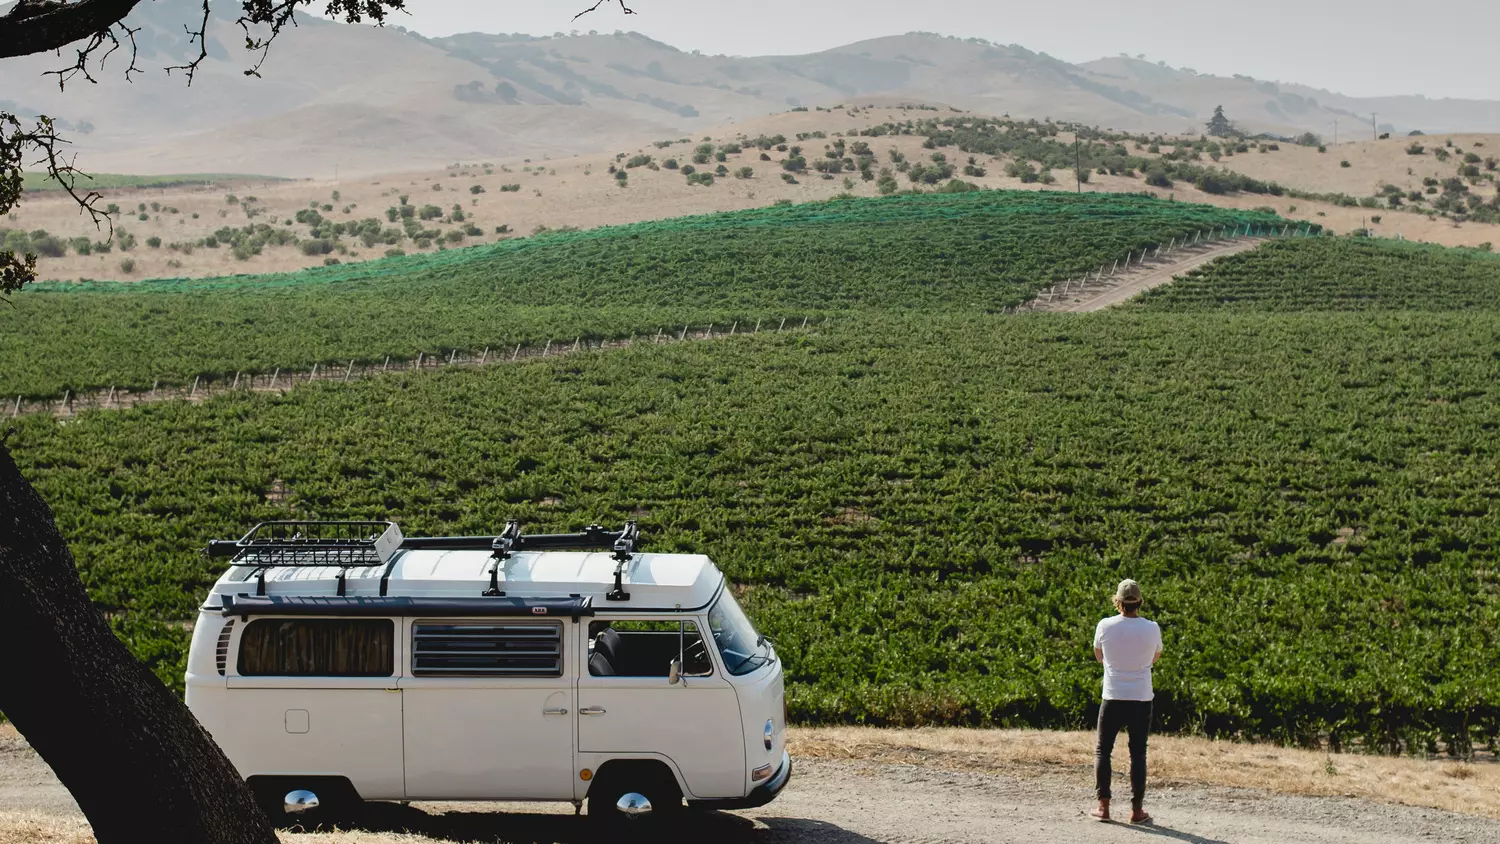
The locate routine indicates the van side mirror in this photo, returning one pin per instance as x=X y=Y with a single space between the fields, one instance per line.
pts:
x=674 y=672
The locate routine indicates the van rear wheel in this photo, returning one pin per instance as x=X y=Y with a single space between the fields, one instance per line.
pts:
x=649 y=781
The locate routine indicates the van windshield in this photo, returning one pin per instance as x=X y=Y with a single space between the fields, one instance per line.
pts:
x=743 y=649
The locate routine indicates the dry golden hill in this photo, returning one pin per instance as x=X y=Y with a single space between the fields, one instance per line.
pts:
x=580 y=191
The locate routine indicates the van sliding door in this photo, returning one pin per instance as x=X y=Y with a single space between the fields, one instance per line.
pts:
x=488 y=711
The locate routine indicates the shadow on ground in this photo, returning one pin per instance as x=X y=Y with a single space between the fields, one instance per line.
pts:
x=1174 y=834
x=539 y=828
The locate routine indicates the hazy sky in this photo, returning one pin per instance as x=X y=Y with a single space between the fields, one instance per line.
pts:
x=1356 y=47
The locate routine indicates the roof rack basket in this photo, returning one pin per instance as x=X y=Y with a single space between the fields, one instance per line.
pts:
x=276 y=544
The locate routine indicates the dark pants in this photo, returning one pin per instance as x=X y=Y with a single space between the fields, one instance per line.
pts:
x=1134 y=716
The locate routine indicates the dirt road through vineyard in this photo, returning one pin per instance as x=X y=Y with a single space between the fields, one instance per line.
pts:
x=849 y=801
x=1155 y=276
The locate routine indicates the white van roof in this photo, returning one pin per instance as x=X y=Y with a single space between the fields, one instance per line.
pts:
x=653 y=581
x=370 y=568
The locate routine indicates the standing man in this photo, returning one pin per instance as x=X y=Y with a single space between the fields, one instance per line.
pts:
x=1128 y=645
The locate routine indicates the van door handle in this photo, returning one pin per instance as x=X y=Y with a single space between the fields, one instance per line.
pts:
x=557 y=710
x=591 y=710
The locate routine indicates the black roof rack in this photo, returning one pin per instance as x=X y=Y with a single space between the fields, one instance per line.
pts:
x=307 y=543
x=366 y=544
x=572 y=606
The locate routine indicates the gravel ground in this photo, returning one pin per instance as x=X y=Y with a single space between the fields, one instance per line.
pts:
x=855 y=802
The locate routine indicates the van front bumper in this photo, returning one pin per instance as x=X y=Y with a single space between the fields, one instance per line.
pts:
x=759 y=796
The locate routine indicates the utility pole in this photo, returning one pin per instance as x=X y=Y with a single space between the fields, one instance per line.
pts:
x=1335 y=131
x=1374 y=129
x=1077 y=163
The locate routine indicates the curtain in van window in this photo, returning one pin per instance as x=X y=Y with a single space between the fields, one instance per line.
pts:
x=318 y=647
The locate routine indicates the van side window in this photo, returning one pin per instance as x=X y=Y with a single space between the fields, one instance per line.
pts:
x=486 y=649
x=628 y=648
x=318 y=647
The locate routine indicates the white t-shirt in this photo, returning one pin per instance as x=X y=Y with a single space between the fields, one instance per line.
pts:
x=1130 y=645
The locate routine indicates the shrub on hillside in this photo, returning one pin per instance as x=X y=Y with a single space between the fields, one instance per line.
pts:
x=127 y=266
x=744 y=173
x=1415 y=149
x=430 y=212
x=476 y=189
x=704 y=179
x=1212 y=183
x=958 y=186
x=638 y=161
x=154 y=242
x=670 y=164
x=688 y=169
x=1022 y=170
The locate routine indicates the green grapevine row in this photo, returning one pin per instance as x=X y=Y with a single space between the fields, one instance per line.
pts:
x=1338 y=274
x=976 y=251
x=927 y=511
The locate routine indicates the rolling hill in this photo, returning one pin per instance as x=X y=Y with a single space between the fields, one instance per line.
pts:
x=366 y=99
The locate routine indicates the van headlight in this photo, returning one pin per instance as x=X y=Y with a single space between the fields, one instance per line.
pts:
x=769 y=732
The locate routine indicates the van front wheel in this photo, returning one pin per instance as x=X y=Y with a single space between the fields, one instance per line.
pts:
x=650 y=780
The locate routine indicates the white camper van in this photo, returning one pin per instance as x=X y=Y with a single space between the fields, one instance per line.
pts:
x=340 y=661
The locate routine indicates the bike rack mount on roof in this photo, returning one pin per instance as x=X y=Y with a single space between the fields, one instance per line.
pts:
x=593 y=538
x=367 y=544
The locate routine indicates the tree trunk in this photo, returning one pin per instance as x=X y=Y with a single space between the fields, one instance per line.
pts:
x=133 y=756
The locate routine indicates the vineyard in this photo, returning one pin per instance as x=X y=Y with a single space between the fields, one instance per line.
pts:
x=980 y=251
x=1345 y=274
x=926 y=502
x=926 y=511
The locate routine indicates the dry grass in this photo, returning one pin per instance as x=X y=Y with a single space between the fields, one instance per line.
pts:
x=34 y=828
x=37 y=828
x=1439 y=784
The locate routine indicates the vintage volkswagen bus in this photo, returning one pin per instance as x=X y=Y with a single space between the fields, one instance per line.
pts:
x=340 y=661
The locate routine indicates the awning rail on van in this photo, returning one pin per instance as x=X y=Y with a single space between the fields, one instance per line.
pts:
x=248 y=605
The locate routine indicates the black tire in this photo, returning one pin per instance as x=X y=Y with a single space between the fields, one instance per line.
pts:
x=658 y=786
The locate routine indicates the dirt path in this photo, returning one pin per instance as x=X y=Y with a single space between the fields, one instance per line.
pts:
x=1112 y=290
x=845 y=802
